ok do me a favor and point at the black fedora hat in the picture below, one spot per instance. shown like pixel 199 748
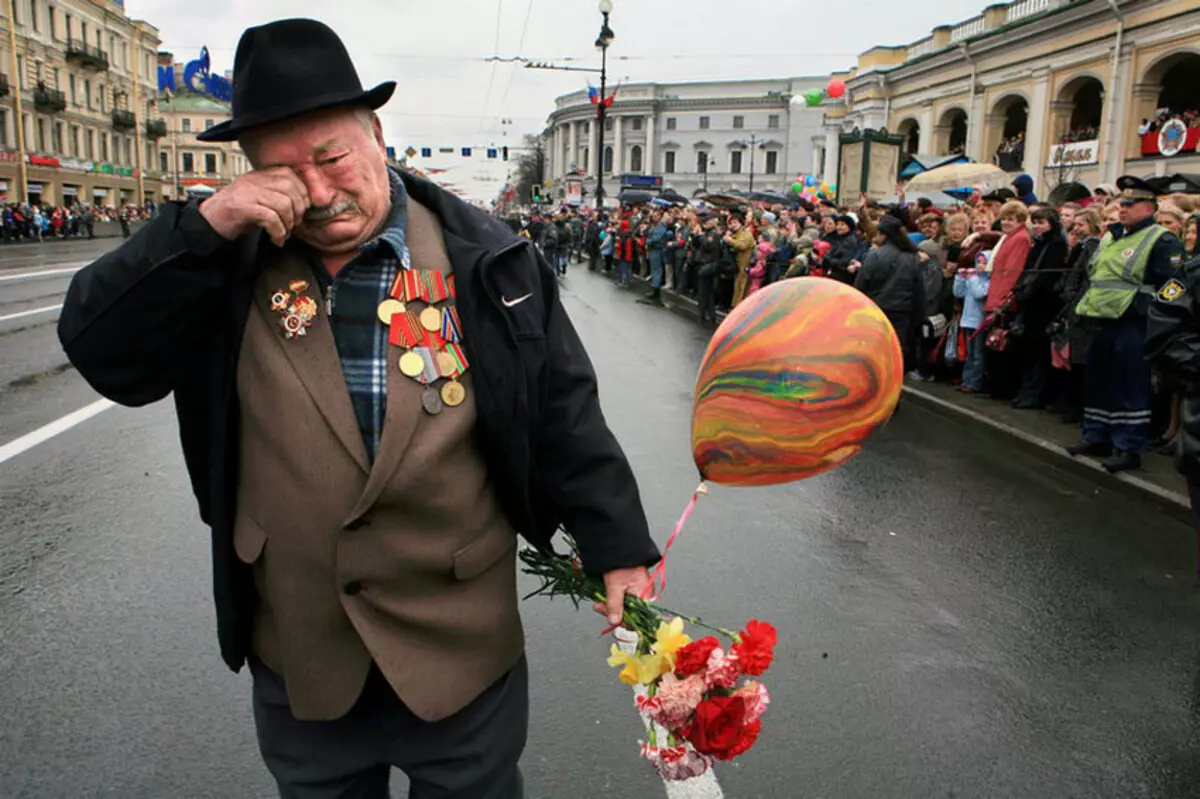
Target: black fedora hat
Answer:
pixel 288 68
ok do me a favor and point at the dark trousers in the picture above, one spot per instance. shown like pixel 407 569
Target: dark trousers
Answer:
pixel 902 324
pixel 471 755
pixel 1033 348
pixel 1118 393
pixel 706 292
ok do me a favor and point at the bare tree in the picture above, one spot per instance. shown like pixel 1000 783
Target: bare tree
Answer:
pixel 531 168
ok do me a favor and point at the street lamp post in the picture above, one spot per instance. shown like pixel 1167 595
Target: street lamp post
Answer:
pixel 602 41
pixel 753 141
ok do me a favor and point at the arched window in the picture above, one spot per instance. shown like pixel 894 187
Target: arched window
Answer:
pixel 608 159
pixel 635 158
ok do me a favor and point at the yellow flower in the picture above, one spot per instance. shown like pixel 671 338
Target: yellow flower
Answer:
pixel 644 669
pixel 669 639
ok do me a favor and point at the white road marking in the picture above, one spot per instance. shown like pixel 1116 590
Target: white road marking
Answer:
pixel 703 787
pixel 20 314
pixel 66 270
pixel 30 440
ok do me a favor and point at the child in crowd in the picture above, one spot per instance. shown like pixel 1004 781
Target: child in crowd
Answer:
pixel 763 253
pixel 971 286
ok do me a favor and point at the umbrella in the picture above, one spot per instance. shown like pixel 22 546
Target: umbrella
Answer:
pixel 725 201
pixel 1072 191
pixel 634 197
pixel 958 176
pixel 773 199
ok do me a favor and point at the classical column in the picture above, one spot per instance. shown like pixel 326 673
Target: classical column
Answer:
pixel 976 128
pixel 618 146
pixel 1035 127
pixel 574 133
pixel 554 154
pixel 650 161
pixel 925 145
pixel 831 154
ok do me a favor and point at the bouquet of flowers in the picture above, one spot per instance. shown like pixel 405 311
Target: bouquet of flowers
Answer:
pixel 693 691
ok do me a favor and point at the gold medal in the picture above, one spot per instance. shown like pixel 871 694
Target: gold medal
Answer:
pixel 389 308
pixel 453 394
pixel 447 366
pixel 431 319
pixel 411 364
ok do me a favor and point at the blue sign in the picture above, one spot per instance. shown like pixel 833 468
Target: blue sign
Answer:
pixel 196 76
pixel 466 151
pixel 391 153
pixel 427 152
pixel 642 181
pixel 492 153
pixel 166 78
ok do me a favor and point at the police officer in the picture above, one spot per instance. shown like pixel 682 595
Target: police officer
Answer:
pixel 1173 345
pixel 1136 258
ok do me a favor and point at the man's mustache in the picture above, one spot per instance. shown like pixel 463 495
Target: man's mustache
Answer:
pixel 324 214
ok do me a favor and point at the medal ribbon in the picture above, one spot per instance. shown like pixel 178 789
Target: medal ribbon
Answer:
pixel 460 358
pixel 451 326
pixel 406 331
pixel 417 284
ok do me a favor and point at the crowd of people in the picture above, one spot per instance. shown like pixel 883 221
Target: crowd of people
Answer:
pixel 1189 117
pixel 985 295
pixel 41 221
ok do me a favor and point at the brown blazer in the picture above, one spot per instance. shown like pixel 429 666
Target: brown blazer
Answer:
pixel 408 563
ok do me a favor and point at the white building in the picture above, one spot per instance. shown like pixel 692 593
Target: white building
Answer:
pixel 693 135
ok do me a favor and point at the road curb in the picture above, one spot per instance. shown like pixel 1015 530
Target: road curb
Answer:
pixel 1130 484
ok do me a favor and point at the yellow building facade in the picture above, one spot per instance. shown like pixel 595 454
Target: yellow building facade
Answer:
pixel 78 122
pixel 1061 90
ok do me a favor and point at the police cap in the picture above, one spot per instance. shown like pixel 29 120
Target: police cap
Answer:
pixel 1135 190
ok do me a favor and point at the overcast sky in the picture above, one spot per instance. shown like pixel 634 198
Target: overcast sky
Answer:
pixel 448 96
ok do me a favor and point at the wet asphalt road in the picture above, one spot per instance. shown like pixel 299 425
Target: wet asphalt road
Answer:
pixel 956 619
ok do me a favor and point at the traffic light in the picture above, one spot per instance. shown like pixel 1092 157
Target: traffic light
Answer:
pixel 504 151
pixel 537 194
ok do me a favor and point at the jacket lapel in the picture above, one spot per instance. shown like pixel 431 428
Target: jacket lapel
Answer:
pixel 400 422
pixel 314 356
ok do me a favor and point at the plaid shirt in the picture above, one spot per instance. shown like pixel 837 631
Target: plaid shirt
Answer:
pixel 362 342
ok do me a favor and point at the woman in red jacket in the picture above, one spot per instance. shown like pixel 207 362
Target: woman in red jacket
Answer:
pixel 1008 262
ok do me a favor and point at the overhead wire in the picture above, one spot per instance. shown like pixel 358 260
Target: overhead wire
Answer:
pixel 487 97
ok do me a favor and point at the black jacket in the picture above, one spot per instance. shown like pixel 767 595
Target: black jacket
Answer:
pixel 1044 268
pixel 842 250
pixel 164 314
pixel 1173 346
pixel 893 280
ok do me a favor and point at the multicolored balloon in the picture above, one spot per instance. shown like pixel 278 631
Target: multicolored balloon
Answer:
pixel 794 380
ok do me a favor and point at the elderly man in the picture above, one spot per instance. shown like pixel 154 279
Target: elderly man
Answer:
pixel 1135 260
pixel 377 388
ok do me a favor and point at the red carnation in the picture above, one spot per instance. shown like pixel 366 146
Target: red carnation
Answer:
pixel 693 658
pixel 757 649
pixel 719 728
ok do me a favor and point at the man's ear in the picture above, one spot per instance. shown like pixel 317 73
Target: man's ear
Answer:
pixel 377 124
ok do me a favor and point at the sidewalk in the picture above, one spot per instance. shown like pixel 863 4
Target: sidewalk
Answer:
pixel 1039 432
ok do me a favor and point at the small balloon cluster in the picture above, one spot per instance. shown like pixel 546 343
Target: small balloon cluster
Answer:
pixel 813 188
pixel 835 90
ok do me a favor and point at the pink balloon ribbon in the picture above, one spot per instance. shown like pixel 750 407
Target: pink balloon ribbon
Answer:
pixel 659 577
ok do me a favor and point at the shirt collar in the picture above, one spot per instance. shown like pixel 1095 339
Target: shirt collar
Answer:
pixel 393 234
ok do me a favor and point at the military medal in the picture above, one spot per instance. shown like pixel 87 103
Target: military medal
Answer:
pixel 389 308
pixel 453 394
pixel 431 319
pixel 447 367
pixel 411 364
pixel 432 337
pixel 432 401
pixel 296 317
